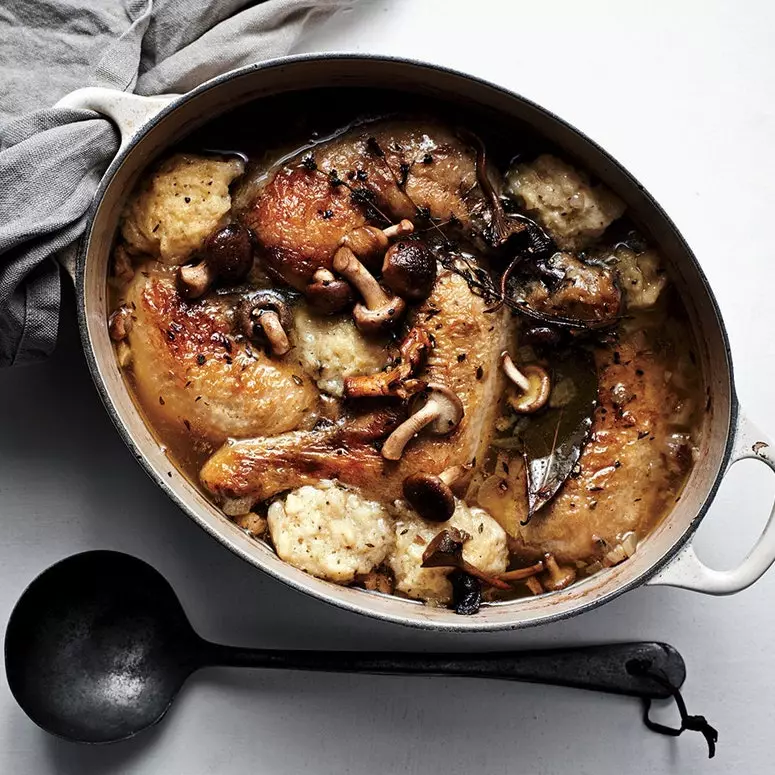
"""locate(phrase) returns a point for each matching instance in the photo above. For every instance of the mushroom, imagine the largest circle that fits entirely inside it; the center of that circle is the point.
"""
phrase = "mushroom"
(120, 323)
(227, 254)
(541, 336)
(265, 315)
(395, 382)
(409, 269)
(559, 576)
(533, 383)
(534, 585)
(466, 593)
(446, 551)
(380, 311)
(441, 413)
(327, 294)
(251, 522)
(194, 280)
(431, 496)
(520, 574)
(370, 243)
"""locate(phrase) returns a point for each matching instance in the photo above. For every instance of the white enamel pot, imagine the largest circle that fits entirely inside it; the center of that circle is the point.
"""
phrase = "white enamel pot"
(148, 126)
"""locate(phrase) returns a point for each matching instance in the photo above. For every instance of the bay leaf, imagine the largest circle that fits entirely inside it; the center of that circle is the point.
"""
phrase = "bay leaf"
(554, 438)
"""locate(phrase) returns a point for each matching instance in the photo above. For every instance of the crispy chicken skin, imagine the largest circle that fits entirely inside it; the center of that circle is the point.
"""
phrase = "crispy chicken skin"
(630, 467)
(189, 370)
(299, 217)
(465, 358)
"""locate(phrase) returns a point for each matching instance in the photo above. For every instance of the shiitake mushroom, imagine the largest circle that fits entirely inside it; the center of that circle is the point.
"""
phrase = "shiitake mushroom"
(409, 269)
(466, 593)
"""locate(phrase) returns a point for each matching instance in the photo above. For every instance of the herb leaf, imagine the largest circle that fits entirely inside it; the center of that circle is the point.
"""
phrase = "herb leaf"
(553, 440)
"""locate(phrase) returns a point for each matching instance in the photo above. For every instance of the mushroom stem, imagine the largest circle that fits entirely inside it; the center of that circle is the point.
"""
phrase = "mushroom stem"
(120, 323)
(442, 412)
(520, 574)
(492, 581)
(393, 447)
(347, 264)
(370, 243)
(559, 576)
(275, 333)
(533, 383)
(195, 279)
(399, 229)
(513, 373)
(534, 585)
(450, 476)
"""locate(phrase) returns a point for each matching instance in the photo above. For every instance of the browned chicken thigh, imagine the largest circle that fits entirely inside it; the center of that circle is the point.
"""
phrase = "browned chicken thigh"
(629, 469)
(388, 171)
(631, 465)
(468, 341)
(191, 372)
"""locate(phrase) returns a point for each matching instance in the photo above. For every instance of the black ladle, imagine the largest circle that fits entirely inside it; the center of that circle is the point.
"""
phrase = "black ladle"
(98, 646)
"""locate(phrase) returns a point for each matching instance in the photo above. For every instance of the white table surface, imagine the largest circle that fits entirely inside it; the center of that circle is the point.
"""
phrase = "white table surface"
(682, 93)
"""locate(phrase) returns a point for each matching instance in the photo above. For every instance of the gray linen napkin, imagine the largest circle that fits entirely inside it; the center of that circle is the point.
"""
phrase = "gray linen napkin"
(51, 159)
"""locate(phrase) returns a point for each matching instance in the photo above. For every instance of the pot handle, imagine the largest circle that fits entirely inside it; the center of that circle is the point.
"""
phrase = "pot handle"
(129, 112)
(687, 571)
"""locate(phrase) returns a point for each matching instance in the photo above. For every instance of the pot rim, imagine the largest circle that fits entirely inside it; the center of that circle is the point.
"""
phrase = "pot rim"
(460, 623)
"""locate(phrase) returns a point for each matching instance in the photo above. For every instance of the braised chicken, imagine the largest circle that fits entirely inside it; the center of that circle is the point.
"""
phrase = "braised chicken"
(631, 465)
(628, 470)
(370, 349)
(468, 341)
(378, 172)
(192, 370)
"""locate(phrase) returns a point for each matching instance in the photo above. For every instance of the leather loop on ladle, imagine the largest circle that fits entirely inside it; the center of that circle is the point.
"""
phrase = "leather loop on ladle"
(692, 723)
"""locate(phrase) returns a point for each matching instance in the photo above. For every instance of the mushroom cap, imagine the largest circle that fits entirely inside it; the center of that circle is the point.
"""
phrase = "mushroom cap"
(381, 318)
(254, 304)
(449, 405)
(409, 269)
(537, 394)
(445, 549)
(327, 294)
(229, 252)
(429, 496)
(541, 336)
(466, 593)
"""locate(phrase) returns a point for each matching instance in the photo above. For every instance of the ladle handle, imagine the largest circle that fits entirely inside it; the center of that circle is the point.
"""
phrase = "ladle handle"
(608, 668)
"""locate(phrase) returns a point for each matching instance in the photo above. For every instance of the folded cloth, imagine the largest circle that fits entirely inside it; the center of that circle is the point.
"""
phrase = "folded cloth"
(51, 159)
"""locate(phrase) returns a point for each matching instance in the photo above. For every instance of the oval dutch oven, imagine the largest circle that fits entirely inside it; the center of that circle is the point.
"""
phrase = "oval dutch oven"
(149, 125)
